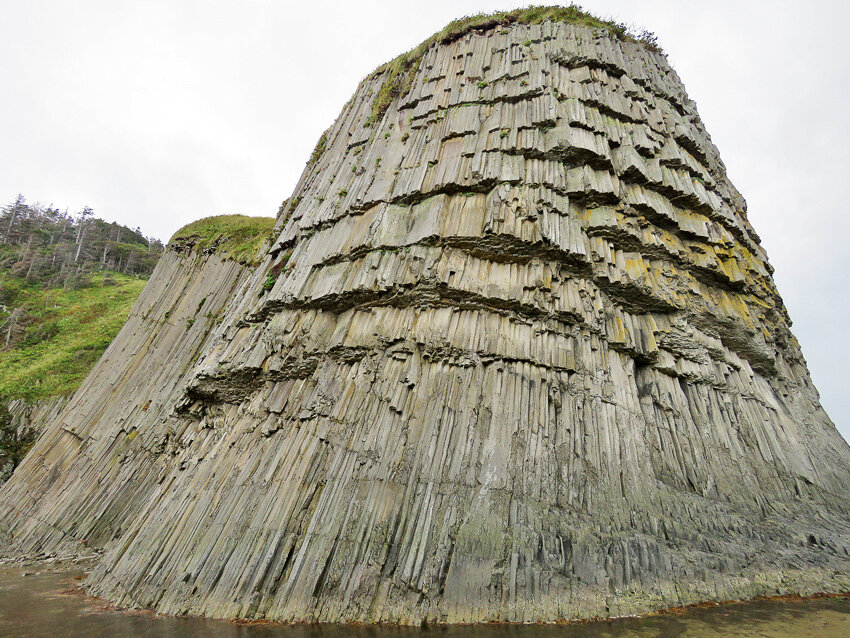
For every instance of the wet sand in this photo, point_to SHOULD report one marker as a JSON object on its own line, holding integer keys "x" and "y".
{"x": 46, "y": 603}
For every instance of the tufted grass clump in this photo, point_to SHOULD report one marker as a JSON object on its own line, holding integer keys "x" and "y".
{"x": 237, "y": 237}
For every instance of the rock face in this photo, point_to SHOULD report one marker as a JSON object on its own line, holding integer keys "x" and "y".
{"x": 21, "y": 423}
{"x": 516, "y": 354}
{"x": 88, "y": 473}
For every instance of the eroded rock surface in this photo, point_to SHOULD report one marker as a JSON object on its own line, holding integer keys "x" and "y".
{"x": 21, "y": 423}
{"x": 515, "y": 355}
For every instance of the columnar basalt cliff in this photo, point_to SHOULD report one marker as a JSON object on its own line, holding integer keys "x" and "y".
{"x": 516, "y": 354}
{"x": 21, "y": 423}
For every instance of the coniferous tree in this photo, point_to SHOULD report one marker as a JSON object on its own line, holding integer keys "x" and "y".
{"x": 43, "y": 244}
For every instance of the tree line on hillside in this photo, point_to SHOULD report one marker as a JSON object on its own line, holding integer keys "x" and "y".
{"x": 44, "y": 248}
{"x": 48, "y": 246}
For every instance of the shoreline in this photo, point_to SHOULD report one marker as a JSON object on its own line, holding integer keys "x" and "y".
{"x": 84, "y": 563}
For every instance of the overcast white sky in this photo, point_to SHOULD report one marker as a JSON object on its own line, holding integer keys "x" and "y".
{"x": 156, "y": 113}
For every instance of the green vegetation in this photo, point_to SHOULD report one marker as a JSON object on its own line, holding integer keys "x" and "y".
{"x": 52, "y": 337}
{"x": 56, "y": 320}
{"x": 236, "y": 237}
{"x": 13, "y": 446}
{"x": 401, "y": 71}
{"x": 320, "y": 148}
{"x": 67, "y": 284}
{"x": 47, "y": 246}
{"x": 284, "y": 212}
{"x": 274, "y": 273}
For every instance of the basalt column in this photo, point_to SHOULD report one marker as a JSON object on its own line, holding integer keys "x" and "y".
{"x": 516, "y": 354}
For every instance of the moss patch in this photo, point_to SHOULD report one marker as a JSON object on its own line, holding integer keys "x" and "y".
{"x": 401, "y": 71}
{"x": 236, "y": 237}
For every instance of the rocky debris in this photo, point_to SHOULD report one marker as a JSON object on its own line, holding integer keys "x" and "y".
{"x": 53, "y": 561}
{"x": 516, "y": 355}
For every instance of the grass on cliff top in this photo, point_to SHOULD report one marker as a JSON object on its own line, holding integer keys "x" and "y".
{"x": 400, "y": 72}
{"x": 65, "y": 333}
{"x": 237, "y": 237}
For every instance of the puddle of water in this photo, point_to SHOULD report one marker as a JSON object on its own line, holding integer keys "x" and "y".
{"x": 44, "y": 605}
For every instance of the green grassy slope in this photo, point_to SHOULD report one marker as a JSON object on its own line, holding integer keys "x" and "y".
{"x": 65, "y": 333}
{"x": 61, "y": 333}
{"x": 236, "y": 237}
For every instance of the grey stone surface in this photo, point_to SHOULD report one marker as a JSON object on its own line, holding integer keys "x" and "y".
{"x": 22, "y": 422}
{"x": 524, "y": 361}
